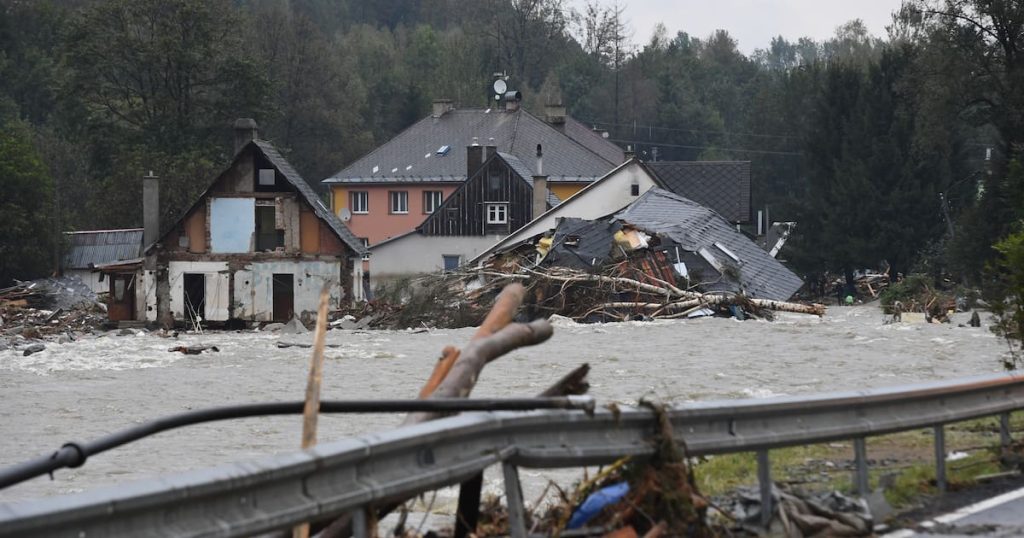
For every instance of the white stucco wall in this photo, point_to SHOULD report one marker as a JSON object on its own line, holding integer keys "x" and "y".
{"x": 90, "y": 278}
{"x": 416, "y": 254}
{"x": 216, "y": 288}
{"x": 601, "y": 198}
{"x": 254, "y": 289}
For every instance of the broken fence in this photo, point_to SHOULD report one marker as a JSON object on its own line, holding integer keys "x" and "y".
{"x": 348, "y": 476}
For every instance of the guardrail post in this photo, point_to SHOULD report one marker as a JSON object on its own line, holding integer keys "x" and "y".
{"x": 764, "y": 480}
{"x": 940, "y": 457}
{"x": 1004, "y": 430}
{"x": 360, "y": 529}
{"x": 860, "y": 474}
{"x": 468, "y": 513}
{"x": 514, "y": 498}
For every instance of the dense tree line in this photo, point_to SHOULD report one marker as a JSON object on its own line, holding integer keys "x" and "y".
{"x": 883, "y": 149}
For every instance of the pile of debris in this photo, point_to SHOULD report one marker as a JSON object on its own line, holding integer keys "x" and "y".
{"x": 35, "y": 309}
{"x": 663, "y": 256}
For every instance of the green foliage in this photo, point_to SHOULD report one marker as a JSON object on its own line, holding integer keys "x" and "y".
{"x": 26, "y": 235}
{"x": 1006, "y": 293}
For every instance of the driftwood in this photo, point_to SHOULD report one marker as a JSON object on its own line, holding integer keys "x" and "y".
{"x": 311, "y": 411}
{"x": 192, "y": 350}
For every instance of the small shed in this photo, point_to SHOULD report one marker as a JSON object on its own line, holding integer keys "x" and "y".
{"x": 88, "y": 250}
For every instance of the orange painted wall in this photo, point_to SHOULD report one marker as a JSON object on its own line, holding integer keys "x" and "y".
{"x": 565, "y": 190}
{"x": 309, "y": 232}
{"x": 379, "y": 224}
{"x": 195, "y": 227}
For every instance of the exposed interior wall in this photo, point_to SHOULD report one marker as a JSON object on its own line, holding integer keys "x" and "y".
{"x": 309, "y": 232}
{"x": 286, "y": 217}
{"x": 253, "y": 287}
{"x": 417, "y": 254}
{"x": 217, "y": 289}
{"x": 195, "y": 230}
{"x": 232, "y": 224}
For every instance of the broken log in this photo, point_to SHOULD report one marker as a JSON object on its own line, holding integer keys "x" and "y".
{"x": 311, "y": 411}
{"x": 192, "y": 350}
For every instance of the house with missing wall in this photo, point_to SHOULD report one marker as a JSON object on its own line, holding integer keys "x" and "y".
{"x": 722, "y": 186}
{"x": 394, "y": 188}
{"x": 257, "y": 245}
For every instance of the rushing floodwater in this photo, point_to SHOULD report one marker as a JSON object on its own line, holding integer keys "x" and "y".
{"x": 85, "y": 389}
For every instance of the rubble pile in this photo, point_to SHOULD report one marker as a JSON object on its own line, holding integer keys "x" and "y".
{"x": 37, "y": 309}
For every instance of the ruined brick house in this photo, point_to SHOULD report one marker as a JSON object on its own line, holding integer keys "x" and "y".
{"x": 258, "y": 245}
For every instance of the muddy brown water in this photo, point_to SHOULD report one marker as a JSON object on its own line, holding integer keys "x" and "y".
{"x": 85, "y": 389}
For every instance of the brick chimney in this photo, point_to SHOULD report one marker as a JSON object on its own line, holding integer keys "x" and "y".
{"x": 150, "y": 209}
{"x": 440, "y": 106}
{"x": 540, "y": 187}
{"x": 245, "y": 132}
{"x": 474, "y": 158}
{"x": 554, "y": 114}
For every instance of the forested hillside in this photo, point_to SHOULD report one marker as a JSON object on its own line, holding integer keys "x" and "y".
{"x": 855, "y": 138}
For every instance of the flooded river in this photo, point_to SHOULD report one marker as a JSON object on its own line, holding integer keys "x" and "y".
{"x": 85, "y": 389}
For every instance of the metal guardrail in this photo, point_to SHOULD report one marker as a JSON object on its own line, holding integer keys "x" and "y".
{"x": 243, "y": 499}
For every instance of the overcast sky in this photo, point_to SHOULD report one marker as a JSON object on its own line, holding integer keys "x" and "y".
{"x": 753, "y": 23}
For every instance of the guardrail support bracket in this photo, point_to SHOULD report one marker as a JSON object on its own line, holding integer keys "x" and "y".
{"x": 860, "y": 456}
{"x": 1004, "y": 430}
{"x": 764, "y": 480}
{"x": 468, "y": 513}
{"x": 360, "y": 528}
{"x": 514, "y": 498}
{"x": 940, "y": 458}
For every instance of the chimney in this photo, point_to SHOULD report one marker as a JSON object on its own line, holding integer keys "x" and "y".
{"x": 489, "y": 151}
{"x": 474, "y": 158}
{"x": 511, "y": 100}
{"x": 629, "y": 153}
{"x": 554, "y": 114}
{"x": 440, "y": 106}
{"x": 245, "y": 132}
{"x": 540, "y": 187}
{"x": 150, "y": 209}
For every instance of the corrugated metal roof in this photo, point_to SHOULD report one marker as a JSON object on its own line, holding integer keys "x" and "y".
{"x": 695, "y": 227}
{"x": 721, "y": 185}
{"x": 96, "y": 247}
{"x": 293, "y": 177}
{"x": 571, "y": 154}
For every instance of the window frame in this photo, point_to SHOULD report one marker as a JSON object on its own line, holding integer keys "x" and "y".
{"x": 432, "y": 195}
{"x": 352, "y": 196}
{"x": 396, "y": 196}
{"x": 366, "y": 245}
{"x": 500, "y": 211}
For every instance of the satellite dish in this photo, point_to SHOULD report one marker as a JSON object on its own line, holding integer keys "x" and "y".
{"x": 346, "y": 214}
{"x": 500, "y": 87}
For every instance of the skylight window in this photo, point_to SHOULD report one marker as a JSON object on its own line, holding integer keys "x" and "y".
{"x": 443, "y": 150}
{"x": 727, "y": 252}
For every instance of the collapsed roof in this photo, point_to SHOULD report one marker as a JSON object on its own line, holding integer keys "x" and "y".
{"x": 700, "y": 244}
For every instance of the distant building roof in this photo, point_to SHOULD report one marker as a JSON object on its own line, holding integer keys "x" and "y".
{"x": 721, "y": 185}
{"x": 434, "y": 148}
{"x": 698, "y": 229}
{"x": 98, "y": 247}
{"x": 307, "y": 192}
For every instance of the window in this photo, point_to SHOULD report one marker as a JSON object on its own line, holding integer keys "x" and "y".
{"x": 266, "y": 176}
{"x": 398, "y": 201}
{"x": 267, "y": 236}
{"x": 451, "y": 261}
{"x": 497, "y": 213}
{"x": 359, "y": 202}
{"x": 431, "y": 201}
{"x": 366, "y": 244}
{"x": 634, "y": 189}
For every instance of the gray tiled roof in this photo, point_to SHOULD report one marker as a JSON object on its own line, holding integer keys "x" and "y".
{"x": 721, "y": 185}
{"x": 293, "y": 177}
{"x": 524, "y": 172}
{"x": 695, "y": 227}
{"x": 577, "y": 154}
{"x": 97, "y": 247}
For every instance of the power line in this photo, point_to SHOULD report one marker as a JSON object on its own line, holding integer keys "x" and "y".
{"x": 683, "y": 146}
{"x": 675, "y": 129}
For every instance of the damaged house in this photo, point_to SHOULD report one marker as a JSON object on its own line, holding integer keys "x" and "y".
{"x": 258, "y": 245}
